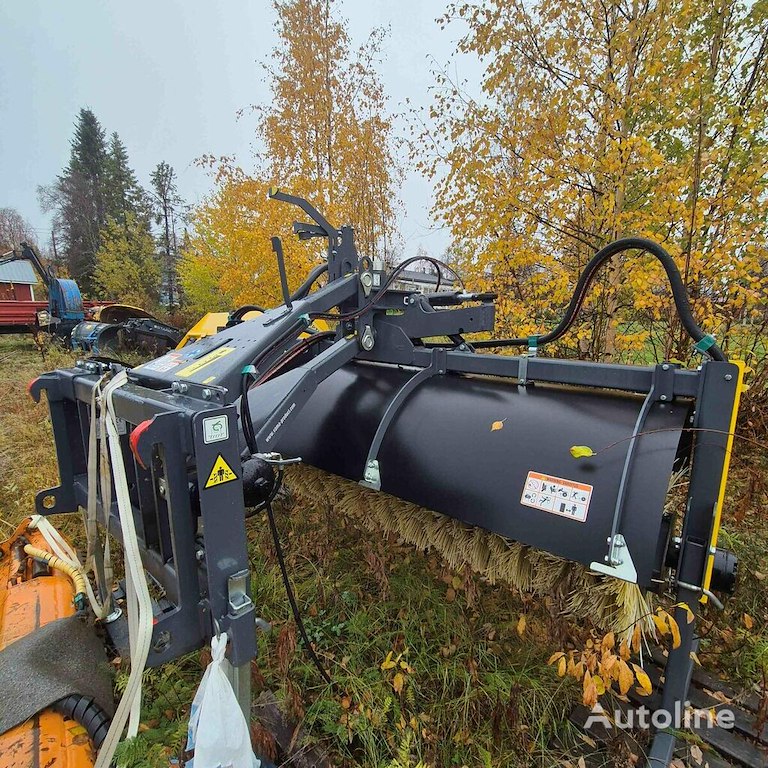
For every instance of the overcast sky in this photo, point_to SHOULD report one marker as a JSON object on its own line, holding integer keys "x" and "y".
{"x": 170, "y": 75}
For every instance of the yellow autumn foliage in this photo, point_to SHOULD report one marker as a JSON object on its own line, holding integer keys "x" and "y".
{"x": 605, "y": 119}
{"x": 325, "y": 135}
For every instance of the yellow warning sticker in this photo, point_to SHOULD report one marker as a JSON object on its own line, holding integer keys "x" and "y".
{"x": 205, "y": 360}
{"x": 221, "y": 473}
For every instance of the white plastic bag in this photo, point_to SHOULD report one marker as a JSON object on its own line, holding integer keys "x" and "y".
{"x": 217, "y": 729}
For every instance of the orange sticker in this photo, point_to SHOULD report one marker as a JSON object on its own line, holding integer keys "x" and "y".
{"x": 557, "y": 496}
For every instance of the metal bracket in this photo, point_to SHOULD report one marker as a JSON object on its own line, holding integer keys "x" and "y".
{"x": 372, "y": 474}
{"x": 366, "y": 276}
{"x": 619, "y": 561}
{"x": 522, "y": 372}
{"x": 664, "y": 382}
{"x": 237, "y": 593}
{"x": 367, "y": 340}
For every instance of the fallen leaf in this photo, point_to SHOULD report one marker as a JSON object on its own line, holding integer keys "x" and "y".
{"x": 555, "y": 657}
{"x": 624, "y": 651}
{"x": 497, "y": 425}
{"x": 747, "y": 619}
{"x": 561, "y": 667}
{"x": 521, "y": 625}
{"x": 675, "y": 630}
{"x": 398, "y": 682}
{"x": 581, "y": 451}
{"x": 588, "y": 740}
{"x": 599, "y": 684}
{"x": 625, "y": 677}
{"x": 450, "y": 595}
{"x": 688, "y": 612}
{"x": 589, "y": 697}
{"x": 696, "y": 753}
{"x": 645, "y": 689}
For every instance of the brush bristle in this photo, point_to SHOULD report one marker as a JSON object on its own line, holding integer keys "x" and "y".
{"x": 610, "y": 603}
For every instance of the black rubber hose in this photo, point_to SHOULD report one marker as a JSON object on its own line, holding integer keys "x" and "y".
{"x": 299, "y": 293}
{"x": 84, "y": 710}
{"x": 240, "y": 311}
{"x": 679, "y": 294}
{"x": 312, "y": 278}
{"x": 291, "y": 597}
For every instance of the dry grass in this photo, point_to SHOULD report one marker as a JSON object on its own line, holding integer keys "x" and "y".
{"x": 27, "y": 457}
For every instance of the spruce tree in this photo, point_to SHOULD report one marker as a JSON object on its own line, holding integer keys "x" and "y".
{"x": 78, "y": 198}
{"x": 123, "y": 194}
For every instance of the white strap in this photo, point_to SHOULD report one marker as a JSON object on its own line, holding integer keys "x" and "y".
{"x": 138, "y": 601}
{"x": 100, "y": 566}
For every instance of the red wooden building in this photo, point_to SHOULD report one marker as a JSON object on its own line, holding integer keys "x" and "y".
{"x": 17, "y": 281}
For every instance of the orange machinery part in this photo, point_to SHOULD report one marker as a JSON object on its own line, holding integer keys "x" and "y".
{"x": 26, "y": 603}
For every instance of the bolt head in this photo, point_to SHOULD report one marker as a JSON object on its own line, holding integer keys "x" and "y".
{"x": 207, "y": 394}
{"x": 663, "y": 397}
{"x": 665, "y": 367}
{"x": 728, "y": 377}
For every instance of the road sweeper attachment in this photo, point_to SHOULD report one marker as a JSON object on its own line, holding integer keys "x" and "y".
{"x": 479, "y": 449}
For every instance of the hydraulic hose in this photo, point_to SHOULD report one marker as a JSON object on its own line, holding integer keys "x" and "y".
{"x": 679, "y": 295}
{"x": 299, "y": 293}
{"x": 245, "y": 309}
{"x": 312, "y": 278}
{"x": 78, "y": 579}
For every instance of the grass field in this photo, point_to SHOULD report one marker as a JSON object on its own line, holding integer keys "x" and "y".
{"x": 429, "y": 665}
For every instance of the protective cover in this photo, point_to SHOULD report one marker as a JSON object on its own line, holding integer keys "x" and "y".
{"x": 496, "y": 455}
{"x": 58, "y": 659}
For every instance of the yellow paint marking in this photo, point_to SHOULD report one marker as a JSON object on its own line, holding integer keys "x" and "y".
{"x": 724, "y": 479}
{"x": 204, "y": 361}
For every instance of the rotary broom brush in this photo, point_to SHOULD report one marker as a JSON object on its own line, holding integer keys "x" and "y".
{"x": 610, "y": 603}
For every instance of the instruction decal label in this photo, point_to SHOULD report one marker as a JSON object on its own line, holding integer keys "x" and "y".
{"x": 220, "y": 474}
{"x": 556, "y": 495}
{"x": 204, "y": 361}
{"x": 164, "y": 364}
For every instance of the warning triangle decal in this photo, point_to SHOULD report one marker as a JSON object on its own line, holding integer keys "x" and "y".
{"x": 221, "y": 473}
